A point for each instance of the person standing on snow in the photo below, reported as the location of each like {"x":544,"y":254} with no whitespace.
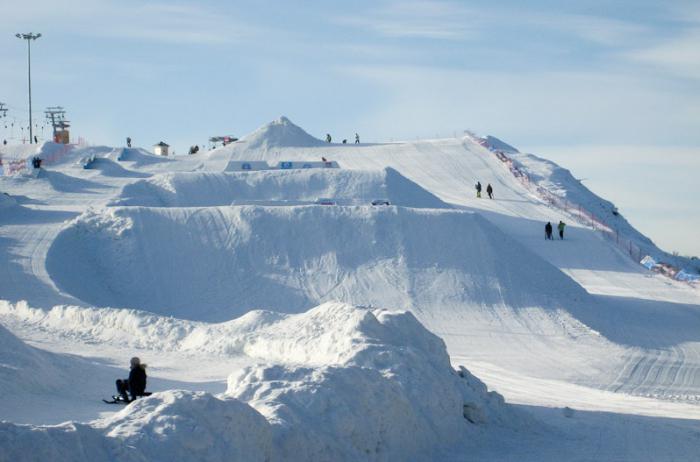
{"x":135,"y":384}
{"x":128,"y":142}
{"x":548,"y":231}
{"x":560,"y":227}
{"x":489,"y":191}
{"x":357,"y":138}
{"x":328,"y":137}
{"x":478,"y":189}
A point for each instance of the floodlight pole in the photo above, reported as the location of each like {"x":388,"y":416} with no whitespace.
{"x":29,"y":37}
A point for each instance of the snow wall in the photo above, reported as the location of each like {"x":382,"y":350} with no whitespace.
{"x":216,"y":263}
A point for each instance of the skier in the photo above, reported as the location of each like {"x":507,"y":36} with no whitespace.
{"x":357,"y":138}
{"x":478,"y":189}
{"x":548,"y":231}
{"x":560,"y":227}
{"x":328,"y":137}
{"x":489,"y":191}
{"x":128,"y":142}
{"x":135,"y":384}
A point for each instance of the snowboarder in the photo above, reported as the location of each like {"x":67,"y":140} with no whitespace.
{"x":478,"y":189}
{"x":560,"y":227}
{"x":548,"y":231}
{"x":128,"y":142}
{"x":328,"y":137}
{"x":135,"y":384}
{"x":489,"y":191}
{"x":357,"y":138}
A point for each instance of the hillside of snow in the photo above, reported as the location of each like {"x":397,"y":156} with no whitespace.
{"x":278,"y":328}
{"x":334,"y":383}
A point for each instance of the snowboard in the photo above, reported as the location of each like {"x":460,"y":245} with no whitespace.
{"x":116,"y":399}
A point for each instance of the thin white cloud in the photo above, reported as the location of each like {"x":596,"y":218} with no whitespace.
{"x":679,"y":56}
{"x":177,"y":23}
{"x":428,"y":19}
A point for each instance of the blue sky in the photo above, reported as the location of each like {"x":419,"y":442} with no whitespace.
{"x":540,"y":74}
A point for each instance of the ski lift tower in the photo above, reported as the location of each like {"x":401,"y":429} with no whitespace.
{"x":56,"y":115}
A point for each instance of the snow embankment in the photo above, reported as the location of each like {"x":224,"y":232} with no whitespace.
{"x":24,"y":369}
{"x":281,"y":187}
{"x":216,"y":263}
{"x":335,"y":383}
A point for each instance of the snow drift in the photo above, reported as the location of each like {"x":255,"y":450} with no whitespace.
{"x":215,"y":263}
{"x":335,"y":383}
{"x":24,"y":369}
{"x":276,"y":186}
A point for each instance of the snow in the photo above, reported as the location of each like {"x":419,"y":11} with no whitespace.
{"x":202,"y":189}
{"x":279,"y":329}
{"x":335,"y":383}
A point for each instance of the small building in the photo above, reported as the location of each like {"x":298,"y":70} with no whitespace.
{"x":160,"y":149}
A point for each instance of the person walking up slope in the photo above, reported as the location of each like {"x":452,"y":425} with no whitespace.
{"x":478,"y":189}
{"x":548,"y":231}
{"x":561,"y":227}
{"x":489,"y":191}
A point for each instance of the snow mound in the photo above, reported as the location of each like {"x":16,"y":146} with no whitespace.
{"x":110,"y":168}
{"x":167,"y":426}
{"x":367,"y":385}
{"x":335,"y":383}
{"x":202,"y":189}
{"x":136,"y":156}
{"x":280,"y":133}
{"x":216,"y":263}
{"x":24,"y":369}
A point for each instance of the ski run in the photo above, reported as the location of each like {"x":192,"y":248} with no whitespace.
{"x":284,"y":317}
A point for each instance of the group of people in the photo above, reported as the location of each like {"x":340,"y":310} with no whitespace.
{"x":548,"y":230}
{"x":489,"y":190}
{"x":345,"y":141}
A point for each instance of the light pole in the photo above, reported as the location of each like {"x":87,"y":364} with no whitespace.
{"x":29,"y":37}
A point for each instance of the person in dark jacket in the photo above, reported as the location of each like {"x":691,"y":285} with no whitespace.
{"x":478,"y":189}
{"x":548,"y":230}
{"x":489,"y":191}
{"x":135,"y":385}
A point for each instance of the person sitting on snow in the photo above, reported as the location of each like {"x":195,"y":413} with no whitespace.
{"x":135,"y":385}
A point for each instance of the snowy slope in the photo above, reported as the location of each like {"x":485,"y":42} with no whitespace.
{"x":550,"y":324}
